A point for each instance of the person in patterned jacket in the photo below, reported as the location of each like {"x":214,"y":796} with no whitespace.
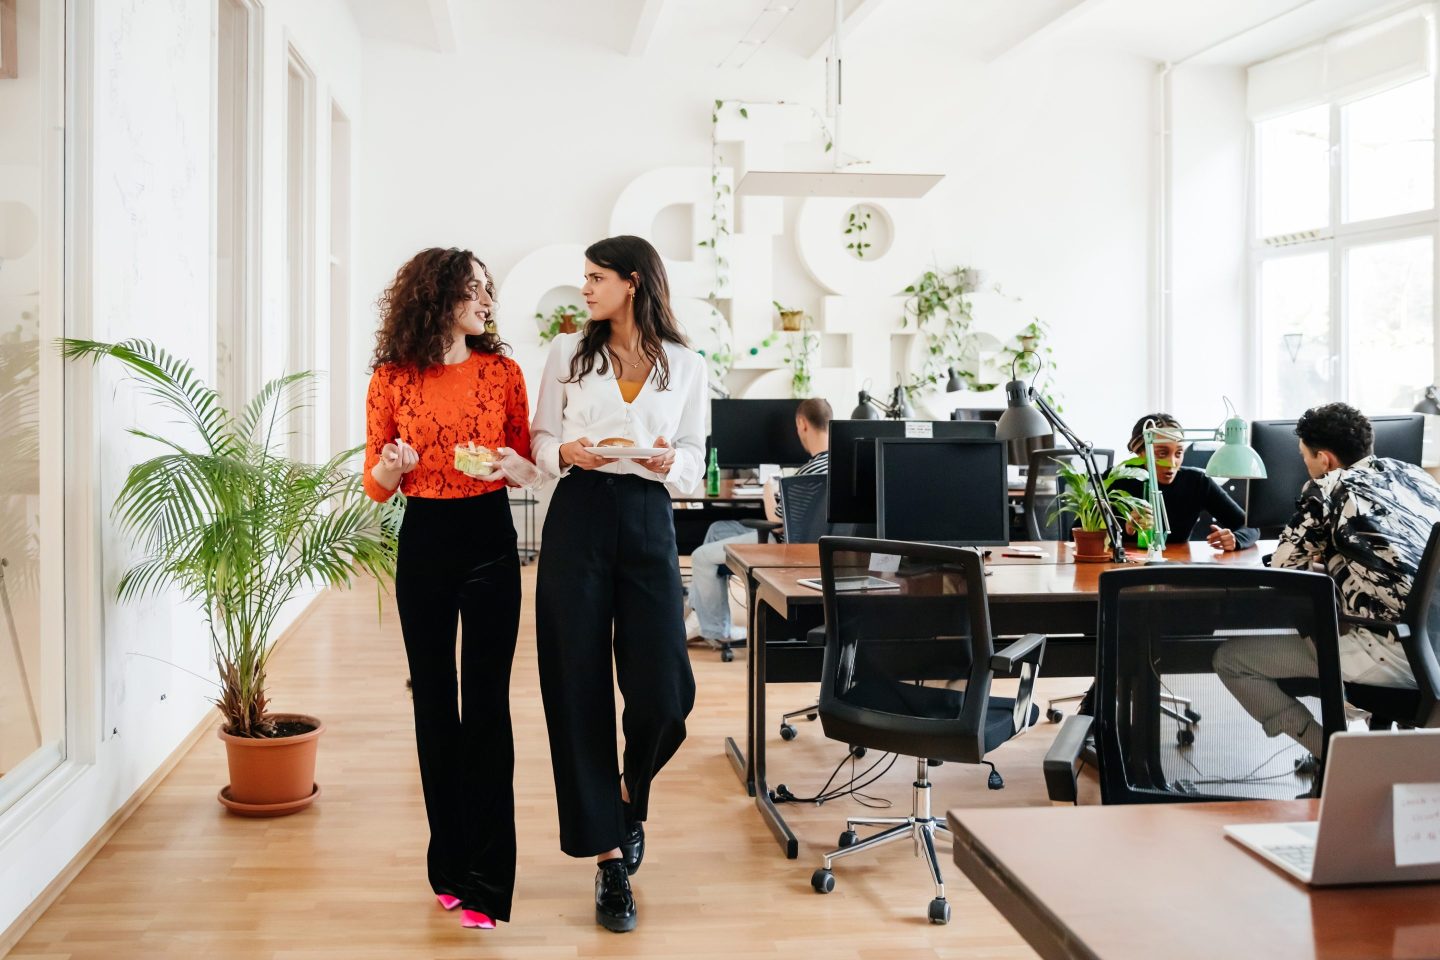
{"x":1365,"y":520}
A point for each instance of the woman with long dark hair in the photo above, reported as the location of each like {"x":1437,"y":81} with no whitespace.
{"x":608,"y":585}
{"x":443,"y":389}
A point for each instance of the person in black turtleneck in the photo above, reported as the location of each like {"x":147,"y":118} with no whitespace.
{"x":1188,"y":492}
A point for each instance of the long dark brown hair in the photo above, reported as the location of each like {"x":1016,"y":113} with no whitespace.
{"x":417,"y":310}
{"x":631,"y":257}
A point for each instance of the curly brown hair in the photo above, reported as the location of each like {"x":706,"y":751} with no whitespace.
{"x":417,"y":310}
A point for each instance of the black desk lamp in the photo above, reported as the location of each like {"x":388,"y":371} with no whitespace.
{"x":1027,"y":414}
{"x":898,"y":408}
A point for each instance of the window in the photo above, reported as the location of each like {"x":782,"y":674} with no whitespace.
{"x":300,"y":243}
{"x":341,"y":403}
{"x":1345,"y":231}
{"x":236,"y":165}
{"x":32,"y":251}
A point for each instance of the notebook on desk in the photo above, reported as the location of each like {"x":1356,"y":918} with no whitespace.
{"x":1356,"y":838}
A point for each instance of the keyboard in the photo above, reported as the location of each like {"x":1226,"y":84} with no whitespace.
{"x":1301,"y":856}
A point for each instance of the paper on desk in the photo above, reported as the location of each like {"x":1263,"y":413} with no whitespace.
{"x":884,"y":562}
{"x":1417,"y":823}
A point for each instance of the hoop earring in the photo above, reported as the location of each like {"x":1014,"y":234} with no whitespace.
{"x":489,"y":326}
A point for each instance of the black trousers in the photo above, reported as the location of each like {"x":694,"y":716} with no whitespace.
{"x":609,"y":588}
{"x":458,"y":558}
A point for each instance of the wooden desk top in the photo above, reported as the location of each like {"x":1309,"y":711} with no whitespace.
{"x":1161,"y":880}
{"x":727,"y":494}
{"x":1056,"y":578}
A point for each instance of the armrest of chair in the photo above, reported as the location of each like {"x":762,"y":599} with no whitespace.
{"x":1028,"y":649}
{"x":766,"y":527}
{"x":1062,"y":760}
{"x":1401,"y":630}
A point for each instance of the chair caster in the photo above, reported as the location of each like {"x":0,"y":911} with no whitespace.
{"x":848,"y":839}
{"x":1053,"y":715}
{"x":858,"y":752}
{"x":727,"y":655}
{"x":822,"y":880}
{"x":939,"y":910}
{"x":812,"y":716}
{"x":1191,"y":715}
{"x":1184,"y":736}
{"x":788,"y":733}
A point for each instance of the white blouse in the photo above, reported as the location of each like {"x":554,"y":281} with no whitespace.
{"x":594,"y":408}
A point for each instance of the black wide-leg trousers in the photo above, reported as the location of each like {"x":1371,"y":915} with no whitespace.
{"x":609,"y":590}
{"x":457,"y":558}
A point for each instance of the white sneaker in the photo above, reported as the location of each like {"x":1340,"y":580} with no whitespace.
{"x":692,"y":626}
{"x":737,"y":632}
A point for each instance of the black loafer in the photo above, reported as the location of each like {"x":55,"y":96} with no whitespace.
{"x":614,"y":903}
{"x":632,"y":846}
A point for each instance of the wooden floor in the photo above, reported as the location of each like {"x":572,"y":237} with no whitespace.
{"x":346,"y":878}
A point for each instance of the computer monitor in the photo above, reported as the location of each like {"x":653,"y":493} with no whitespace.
{"x":852,"y":458}
{"x":949,"y":492}
{"x":747,"y":433}
{"x":1016,"y":451}
{"x":1271,"y":502}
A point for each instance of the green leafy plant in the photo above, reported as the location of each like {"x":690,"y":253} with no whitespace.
{"x":1076,"y":497}
{"x":234,"y":526}
{"x":856,"y":224}
{"x":800,"y":350}
{"x":1027,"y":351}
{"x":562,"y":317}
{"x":938,"y":305}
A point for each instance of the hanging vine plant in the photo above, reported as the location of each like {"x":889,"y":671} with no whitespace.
{"x":938,"y":306}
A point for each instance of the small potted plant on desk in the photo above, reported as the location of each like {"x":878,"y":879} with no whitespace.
{"x":235,"y":526}
{"x":1077,"y":499}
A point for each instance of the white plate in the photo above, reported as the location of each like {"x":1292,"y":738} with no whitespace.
{"x":627,"y":453}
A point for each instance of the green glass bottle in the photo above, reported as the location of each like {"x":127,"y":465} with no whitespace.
{"x":712,"y":474}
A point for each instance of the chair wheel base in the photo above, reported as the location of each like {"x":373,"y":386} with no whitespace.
{"x":939,"y":912}
{"x":1191,"y":715}
{"x":848,"y":839}
{"x":824,"y":881}
{"x":1184,"y":736}
{"x":787,"y":732}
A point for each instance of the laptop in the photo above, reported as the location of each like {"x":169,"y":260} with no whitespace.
{"x":1353,"y":840}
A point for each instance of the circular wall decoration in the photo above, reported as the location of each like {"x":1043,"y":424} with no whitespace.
{"x":820,"y":242}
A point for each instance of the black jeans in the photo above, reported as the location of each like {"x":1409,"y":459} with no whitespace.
{"x":609,"y":586}
{"x":458,"y":557}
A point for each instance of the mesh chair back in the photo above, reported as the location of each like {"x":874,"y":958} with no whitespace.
{"x":1041,"y":488}
{"x":930,"y":623}
{"x":1159,"y":633}
{"x":1422,"y":615}
{"x":804,"y":506}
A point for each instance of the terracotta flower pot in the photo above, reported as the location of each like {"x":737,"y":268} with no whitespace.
{"x":274,"y":776}
{"x":1090,"y":546}
{"x":567,"y":324}
{"x":792,"y":319}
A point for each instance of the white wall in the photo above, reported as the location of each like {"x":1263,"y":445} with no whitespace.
{"x":152,"y":234}
{"x":1210,"y":334}
{"x":526,"y":137}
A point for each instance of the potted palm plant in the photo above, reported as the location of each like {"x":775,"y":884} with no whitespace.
{"x":1077,"y":499}
{"x":225,"y":518}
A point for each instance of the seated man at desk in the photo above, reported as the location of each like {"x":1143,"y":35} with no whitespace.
{"x":1366,"y":520}
{"x":709,"y":578}
{"x":1187,"y":492}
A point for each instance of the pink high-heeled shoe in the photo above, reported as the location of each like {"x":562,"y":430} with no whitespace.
{"x":447,"y":901}
{"x":475,"y":919}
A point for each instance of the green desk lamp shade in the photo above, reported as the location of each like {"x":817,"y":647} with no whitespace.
{"x":1236,"y":459}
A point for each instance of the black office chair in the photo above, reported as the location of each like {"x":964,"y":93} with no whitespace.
{"x":1159,"y":630}
{"x":1418,"y":631}
{"x":1041,"y":489}
{"x":934,"y":622}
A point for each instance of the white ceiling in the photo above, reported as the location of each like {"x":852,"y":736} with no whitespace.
{"x":1211,"y":31}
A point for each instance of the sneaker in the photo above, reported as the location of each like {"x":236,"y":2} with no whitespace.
{"x":614,"y":903}
{"x":632,"y":847}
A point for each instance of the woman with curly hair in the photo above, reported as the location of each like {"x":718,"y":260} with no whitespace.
{"x":441,"y":382}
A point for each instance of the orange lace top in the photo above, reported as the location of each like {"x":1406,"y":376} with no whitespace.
{"x":481,"y":400}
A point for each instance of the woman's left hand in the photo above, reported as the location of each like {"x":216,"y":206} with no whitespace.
{"x":662,"y":463}
{"x":1220,"y":538}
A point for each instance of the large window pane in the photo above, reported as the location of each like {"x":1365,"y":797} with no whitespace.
{"x":1389,"y":152}
{"x":1390,"y":317}
{"x":32,"y":664}
{"x":1294,"y":154}
{"x":1296,"y":371}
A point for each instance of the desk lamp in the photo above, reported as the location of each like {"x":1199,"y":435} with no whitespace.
{"x":1235,"y":460}
{"x":1027,"y":414}
{"x":870,"y":408}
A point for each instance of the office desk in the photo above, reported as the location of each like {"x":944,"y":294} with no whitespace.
{"x":1161,"y":880}
{"x":695,"y":512}
{"x":1052,"y":595}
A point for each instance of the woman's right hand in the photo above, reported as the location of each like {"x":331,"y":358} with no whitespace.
{"x":396,"y":460}
{"x":574,"y":454}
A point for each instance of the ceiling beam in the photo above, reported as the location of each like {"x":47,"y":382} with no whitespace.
{"x":857,"y":11}
{"x":1046,"y":29}
{"x":644,"y":30}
